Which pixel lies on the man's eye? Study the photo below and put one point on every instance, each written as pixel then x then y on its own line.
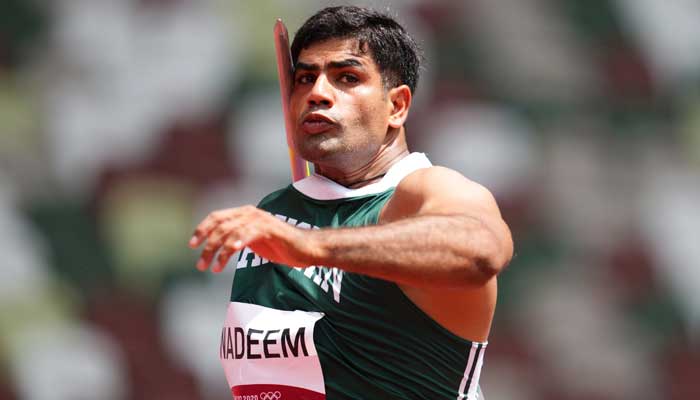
pixel 349 78
pixel 305 78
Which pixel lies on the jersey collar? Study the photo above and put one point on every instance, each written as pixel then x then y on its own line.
pixel 321 188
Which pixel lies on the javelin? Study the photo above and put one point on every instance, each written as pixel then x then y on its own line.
pixel 285 72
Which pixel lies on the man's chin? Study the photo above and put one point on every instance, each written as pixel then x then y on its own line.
pixel 317 155
pixel 320 150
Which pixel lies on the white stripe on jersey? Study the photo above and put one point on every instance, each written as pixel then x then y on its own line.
pixel 472 372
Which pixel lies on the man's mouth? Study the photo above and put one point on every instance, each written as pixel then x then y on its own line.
pixel 314 123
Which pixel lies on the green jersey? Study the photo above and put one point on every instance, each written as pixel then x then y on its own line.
pixel 320 332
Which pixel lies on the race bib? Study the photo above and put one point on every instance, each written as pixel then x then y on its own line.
pixel 269 354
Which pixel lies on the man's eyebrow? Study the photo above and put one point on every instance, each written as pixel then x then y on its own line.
pixel 350 62
pixel 308 67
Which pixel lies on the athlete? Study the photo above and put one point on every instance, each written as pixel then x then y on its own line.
pixel 375 277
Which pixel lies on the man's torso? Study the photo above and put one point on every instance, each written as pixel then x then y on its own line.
pixel 320 331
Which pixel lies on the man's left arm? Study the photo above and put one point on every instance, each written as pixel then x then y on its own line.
pixel 439 229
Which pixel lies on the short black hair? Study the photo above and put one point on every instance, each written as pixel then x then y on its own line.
pixel 394 51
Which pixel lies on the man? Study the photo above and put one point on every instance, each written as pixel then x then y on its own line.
pixel 374 278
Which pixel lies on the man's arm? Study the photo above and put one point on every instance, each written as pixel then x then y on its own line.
pixel 438 230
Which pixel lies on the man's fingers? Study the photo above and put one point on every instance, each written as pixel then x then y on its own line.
pixel 227 232
pixel 216 239
pixel 210 223
pixel 244 235
pixel 216 218
pixel 204 229
pixel 206 258
pixel 230 247
pixel 194 241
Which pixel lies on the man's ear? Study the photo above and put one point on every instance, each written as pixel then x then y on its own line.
pixel 400 98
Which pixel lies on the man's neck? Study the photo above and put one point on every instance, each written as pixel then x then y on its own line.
pixel 372 171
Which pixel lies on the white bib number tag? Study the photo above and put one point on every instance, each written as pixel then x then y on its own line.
pixel 269 354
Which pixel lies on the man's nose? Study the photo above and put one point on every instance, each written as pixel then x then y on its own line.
pixel 321 93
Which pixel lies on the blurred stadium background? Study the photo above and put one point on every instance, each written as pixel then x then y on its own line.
pixel 124 122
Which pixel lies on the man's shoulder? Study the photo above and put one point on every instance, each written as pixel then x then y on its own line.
pixel 433 170
pixel 278 195
pixel 434 178
pixel 437 188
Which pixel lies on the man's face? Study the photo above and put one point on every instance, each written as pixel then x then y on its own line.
pixel 339 105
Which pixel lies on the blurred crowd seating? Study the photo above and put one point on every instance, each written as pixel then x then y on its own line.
pixel 124 122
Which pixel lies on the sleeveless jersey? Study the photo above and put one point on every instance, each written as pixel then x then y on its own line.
pixel 323 333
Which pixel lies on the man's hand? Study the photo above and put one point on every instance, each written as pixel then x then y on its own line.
pixel 230 230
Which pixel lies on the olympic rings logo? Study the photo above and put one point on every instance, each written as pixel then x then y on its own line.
pixel 276 395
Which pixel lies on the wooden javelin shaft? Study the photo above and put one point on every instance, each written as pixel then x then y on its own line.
pixel 285 72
